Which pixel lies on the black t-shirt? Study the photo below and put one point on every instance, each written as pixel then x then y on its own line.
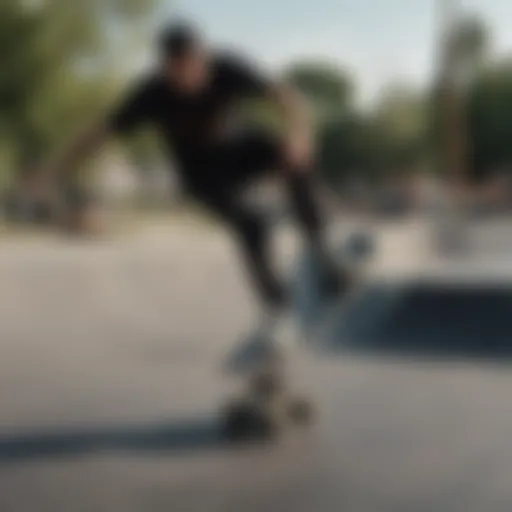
pixel 190 123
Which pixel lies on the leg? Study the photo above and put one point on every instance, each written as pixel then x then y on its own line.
pixel 254 242
pixel 234 166
pixel 255 154
pixel 301 189
pixel 251 234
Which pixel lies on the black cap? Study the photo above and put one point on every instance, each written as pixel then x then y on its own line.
pixel 179 39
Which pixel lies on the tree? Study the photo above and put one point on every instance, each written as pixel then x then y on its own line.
pixel 400 127
pixel 464 53
pixel 59 62
pixel 489 117
pixel 329 89
pixel 470 44
pixel 343 148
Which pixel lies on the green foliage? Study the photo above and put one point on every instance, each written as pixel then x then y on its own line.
pixel 328 89
pixel 400 126
pixel 58 66
pixel 470 43
pixel 490 114
pixel 62 60
pixel 391 137
pixel 343 147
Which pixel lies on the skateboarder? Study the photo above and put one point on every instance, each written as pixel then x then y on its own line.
pixel 191 97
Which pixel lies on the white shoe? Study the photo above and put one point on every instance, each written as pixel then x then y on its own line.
pixel 285 332
pixel 275 336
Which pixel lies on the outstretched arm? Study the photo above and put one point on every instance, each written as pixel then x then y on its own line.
pixel 127 116
pixel 81 148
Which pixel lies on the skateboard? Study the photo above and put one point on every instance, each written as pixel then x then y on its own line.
pixel 268 405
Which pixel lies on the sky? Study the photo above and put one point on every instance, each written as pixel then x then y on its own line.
pixel 380 41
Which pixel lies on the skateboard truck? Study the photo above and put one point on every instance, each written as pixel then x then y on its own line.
pixel 265 409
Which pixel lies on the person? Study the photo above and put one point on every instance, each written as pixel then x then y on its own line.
pixel 190 98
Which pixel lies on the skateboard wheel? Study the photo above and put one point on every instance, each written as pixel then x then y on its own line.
pixel 249 421
pixel 360 246
pixel 266 385
pixel 301 412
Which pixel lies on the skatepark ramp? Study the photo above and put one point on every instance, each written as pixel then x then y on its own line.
pixel 427 318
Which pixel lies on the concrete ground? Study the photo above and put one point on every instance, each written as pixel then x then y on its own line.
pixel 110 390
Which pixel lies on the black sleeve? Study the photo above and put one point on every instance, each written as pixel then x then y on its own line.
pixel 133 111
pixel 245 77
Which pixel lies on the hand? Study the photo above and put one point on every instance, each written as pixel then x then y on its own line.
pixel 298 151
pixel 45 178
pixel 45 183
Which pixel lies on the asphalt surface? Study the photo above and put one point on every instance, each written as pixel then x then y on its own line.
pixel 110 390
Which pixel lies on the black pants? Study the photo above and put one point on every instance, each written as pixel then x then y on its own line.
pixel 218 177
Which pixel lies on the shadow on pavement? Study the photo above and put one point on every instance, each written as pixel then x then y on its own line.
pixel 183 438
pixel 426 320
